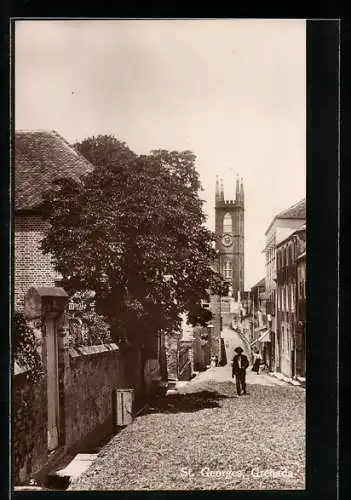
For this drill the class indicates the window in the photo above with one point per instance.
(227, 270)
(227, 223)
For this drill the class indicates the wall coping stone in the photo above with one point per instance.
(91, 350)
(19, 369)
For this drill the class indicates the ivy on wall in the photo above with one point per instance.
(25, 348)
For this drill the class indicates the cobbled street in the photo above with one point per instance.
(207, 438)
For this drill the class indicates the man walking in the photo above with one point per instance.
(239, 365)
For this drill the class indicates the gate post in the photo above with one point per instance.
(48, 304)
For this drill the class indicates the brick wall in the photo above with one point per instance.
(32, 267)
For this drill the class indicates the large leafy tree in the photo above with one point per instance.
(133, 231)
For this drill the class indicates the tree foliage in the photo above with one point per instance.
(86, 327)
(25, 348)
(133, 231)
(199, 316)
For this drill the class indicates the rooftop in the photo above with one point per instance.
(41, 157)
(297, 211)
(260, 284)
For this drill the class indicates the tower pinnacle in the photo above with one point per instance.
(242, 191)
(222, 191)
(237, 192)
(217, 189)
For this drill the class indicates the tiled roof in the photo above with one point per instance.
(260, 284)
(297, 211)
(41, 157)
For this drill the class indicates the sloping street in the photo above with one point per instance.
(205, 437)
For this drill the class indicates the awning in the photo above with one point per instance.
(265, 337)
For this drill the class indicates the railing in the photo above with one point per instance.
(184, 361)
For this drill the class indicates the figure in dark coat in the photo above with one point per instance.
(240, 363)
(257, 361)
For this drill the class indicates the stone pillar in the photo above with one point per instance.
(43, 304)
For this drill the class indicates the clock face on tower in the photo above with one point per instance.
(227, 240)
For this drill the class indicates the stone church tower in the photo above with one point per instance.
(229, 228)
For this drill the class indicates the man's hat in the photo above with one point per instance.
(239, 350)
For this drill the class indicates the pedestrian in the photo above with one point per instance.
(214, 361)
(239, 365)
(256, 361)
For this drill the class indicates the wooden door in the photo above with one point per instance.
(52, 384)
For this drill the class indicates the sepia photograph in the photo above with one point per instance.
(159, 275)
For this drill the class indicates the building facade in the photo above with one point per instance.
(301, 314)
(40, 158)
(289, 297)
(229, 228)
(280, 228)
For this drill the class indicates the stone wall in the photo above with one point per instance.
(90, 378)
(215, 308)
(29, 426)
(172, 347)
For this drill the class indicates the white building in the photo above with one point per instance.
(282, 225)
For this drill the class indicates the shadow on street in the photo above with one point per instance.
(186, 403)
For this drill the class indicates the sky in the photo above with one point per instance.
(232, 91)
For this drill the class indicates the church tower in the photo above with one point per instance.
(229, 228)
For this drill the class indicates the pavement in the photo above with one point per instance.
(205, 437)
(224, 374)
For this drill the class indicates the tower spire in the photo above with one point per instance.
(222, 191)
(237, 192)
(242, 191)
(217, 189)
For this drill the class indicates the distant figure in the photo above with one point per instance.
(240, 363)
(256, 361)
(214, 361)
